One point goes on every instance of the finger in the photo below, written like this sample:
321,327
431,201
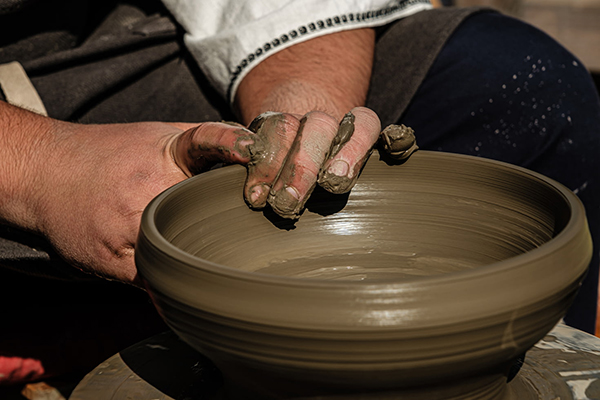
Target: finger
351,150
276,132
298,176
184,126
198,148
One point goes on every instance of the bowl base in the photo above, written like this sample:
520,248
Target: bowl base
562,365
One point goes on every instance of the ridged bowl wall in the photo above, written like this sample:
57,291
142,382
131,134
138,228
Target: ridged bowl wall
429,279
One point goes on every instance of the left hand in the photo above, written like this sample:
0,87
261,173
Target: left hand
312,85
297,153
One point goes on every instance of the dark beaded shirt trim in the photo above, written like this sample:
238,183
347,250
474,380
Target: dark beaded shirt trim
316,27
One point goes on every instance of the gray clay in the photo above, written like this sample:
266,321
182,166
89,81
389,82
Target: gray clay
344,133
399,141
444,269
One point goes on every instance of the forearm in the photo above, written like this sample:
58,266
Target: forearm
329,73
22,135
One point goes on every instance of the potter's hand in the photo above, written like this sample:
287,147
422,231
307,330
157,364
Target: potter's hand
84,187
292,155
330,74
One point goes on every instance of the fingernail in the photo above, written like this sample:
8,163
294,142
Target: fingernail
293,192
285,202
335,178
258,195
339,168
245,142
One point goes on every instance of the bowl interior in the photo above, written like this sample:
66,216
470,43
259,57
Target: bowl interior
436,214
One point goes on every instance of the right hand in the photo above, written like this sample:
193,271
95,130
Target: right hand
84,187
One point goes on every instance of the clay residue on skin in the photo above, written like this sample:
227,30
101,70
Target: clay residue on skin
342,184
283,202
261,152
244,144
256,150
260,125
286,205
204,154
327,180
334,183
344,133
399,141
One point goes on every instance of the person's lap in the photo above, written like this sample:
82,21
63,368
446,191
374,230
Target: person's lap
504,90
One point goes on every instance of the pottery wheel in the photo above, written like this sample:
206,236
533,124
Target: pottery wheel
564,365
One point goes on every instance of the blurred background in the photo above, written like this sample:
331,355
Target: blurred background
573,23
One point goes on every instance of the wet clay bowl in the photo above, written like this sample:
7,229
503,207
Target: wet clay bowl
429,279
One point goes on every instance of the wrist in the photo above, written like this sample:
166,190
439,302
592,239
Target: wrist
298,97
330,73
25,151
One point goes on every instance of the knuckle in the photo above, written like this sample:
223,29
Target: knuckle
367,118
321,118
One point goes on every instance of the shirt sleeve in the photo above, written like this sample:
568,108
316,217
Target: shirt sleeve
230,37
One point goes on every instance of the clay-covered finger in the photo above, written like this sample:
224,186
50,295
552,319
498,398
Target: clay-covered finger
276,133
198,148
358,132
298,176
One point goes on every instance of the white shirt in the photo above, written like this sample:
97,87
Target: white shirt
230,37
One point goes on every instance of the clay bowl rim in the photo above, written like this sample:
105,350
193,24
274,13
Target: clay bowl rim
567,234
